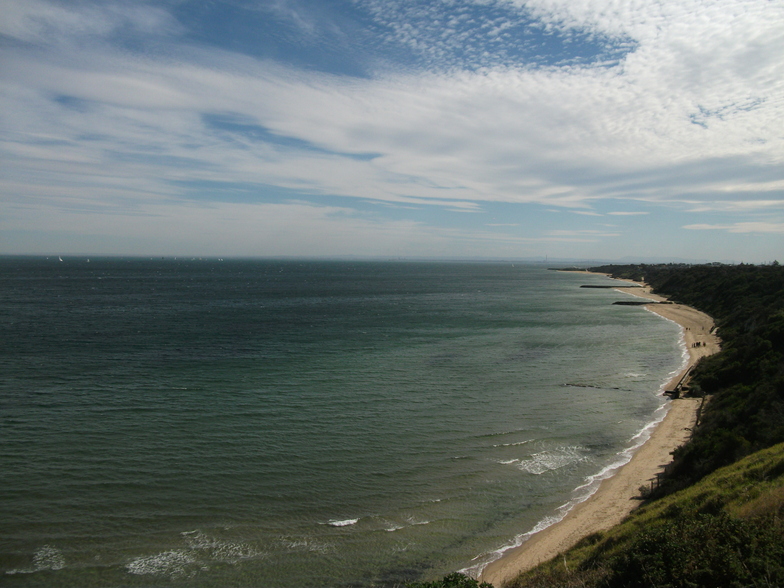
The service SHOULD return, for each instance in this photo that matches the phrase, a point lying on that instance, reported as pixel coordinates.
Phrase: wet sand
(619, 495)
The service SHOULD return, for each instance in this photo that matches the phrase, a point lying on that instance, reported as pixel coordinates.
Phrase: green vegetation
(718, 517)
(726, 530)
(745, 380)
(455, 580)
(715, 521)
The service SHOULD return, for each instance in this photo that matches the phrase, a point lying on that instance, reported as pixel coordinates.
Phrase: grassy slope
(726, 530)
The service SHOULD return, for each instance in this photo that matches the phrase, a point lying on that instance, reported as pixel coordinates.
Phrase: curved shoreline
(618, 495)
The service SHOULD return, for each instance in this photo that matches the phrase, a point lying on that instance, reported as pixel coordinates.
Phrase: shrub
(454, 580)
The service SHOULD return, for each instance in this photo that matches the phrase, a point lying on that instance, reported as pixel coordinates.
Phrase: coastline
(618, 495)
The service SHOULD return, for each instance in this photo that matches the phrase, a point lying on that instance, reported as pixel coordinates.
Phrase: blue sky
(583, 129)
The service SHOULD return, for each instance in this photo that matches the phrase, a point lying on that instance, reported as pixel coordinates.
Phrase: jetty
(680, 387)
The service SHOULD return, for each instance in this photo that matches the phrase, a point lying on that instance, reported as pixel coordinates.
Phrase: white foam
(681, 344)
(307, 545)
(48, 558)
(548, 521)
(200, 551)
(591, 484)
(410, 521)
(513, 444)
(546, 461)
(45, 558)
(344, 523)
(219, 550)
(175, 563)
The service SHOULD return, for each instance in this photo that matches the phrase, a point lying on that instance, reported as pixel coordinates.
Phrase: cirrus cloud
(656, 109)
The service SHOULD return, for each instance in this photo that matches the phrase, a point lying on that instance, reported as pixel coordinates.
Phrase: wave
(343, 523)
(307, 544)
(410, 522)
(591, 483)
(681, 344)
(513, 444)
(176, 564)
(500, 433)
(218, 549)
(45, 558)
(200, 552)
(547, 461)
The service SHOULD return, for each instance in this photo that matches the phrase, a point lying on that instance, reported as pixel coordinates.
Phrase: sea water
(199, 422)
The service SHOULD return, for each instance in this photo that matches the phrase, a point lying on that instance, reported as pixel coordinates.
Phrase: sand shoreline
(618, 495)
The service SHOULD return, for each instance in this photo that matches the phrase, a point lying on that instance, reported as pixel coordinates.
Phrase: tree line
(745, 380)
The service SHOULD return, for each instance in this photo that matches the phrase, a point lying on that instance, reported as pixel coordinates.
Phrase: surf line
(615, 496)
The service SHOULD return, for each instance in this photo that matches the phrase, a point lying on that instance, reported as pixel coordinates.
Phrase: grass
(726, 530)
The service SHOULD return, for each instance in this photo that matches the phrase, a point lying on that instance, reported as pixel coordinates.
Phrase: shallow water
(181, 422)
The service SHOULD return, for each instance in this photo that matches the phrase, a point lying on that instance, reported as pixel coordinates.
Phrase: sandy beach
(619, 495)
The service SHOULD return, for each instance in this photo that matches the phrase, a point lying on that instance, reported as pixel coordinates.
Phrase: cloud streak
(758, 227)
(686, 118)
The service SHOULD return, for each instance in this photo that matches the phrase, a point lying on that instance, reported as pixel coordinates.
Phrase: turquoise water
(290, 424)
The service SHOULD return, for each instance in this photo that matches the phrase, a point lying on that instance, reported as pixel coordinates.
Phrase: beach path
(619, 495)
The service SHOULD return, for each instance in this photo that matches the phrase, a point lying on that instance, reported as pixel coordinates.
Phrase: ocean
(290, 424)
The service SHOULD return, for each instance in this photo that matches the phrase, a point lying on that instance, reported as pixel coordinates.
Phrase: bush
(455, 580)
(706, 550)
(746, 379)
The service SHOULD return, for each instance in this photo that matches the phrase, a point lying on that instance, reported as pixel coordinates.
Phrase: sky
(512, 129)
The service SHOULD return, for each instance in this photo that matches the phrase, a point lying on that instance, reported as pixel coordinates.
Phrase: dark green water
(291, 424)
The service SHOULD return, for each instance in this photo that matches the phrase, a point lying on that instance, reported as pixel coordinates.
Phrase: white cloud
(627, 213)
(292, 228)
(506, 135)
(38, 21)
(744, 227)
(238, 229)
(736, 206)
(509, 136)
(691, 115)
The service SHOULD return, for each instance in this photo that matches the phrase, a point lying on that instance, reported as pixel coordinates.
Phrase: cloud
(38, 21)
(686, 114)
(580, 235)
(297, 228)
(736, 206)
(291, 12)
(444, 35)
(744, 227)
(290, 228)
(506, 134)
